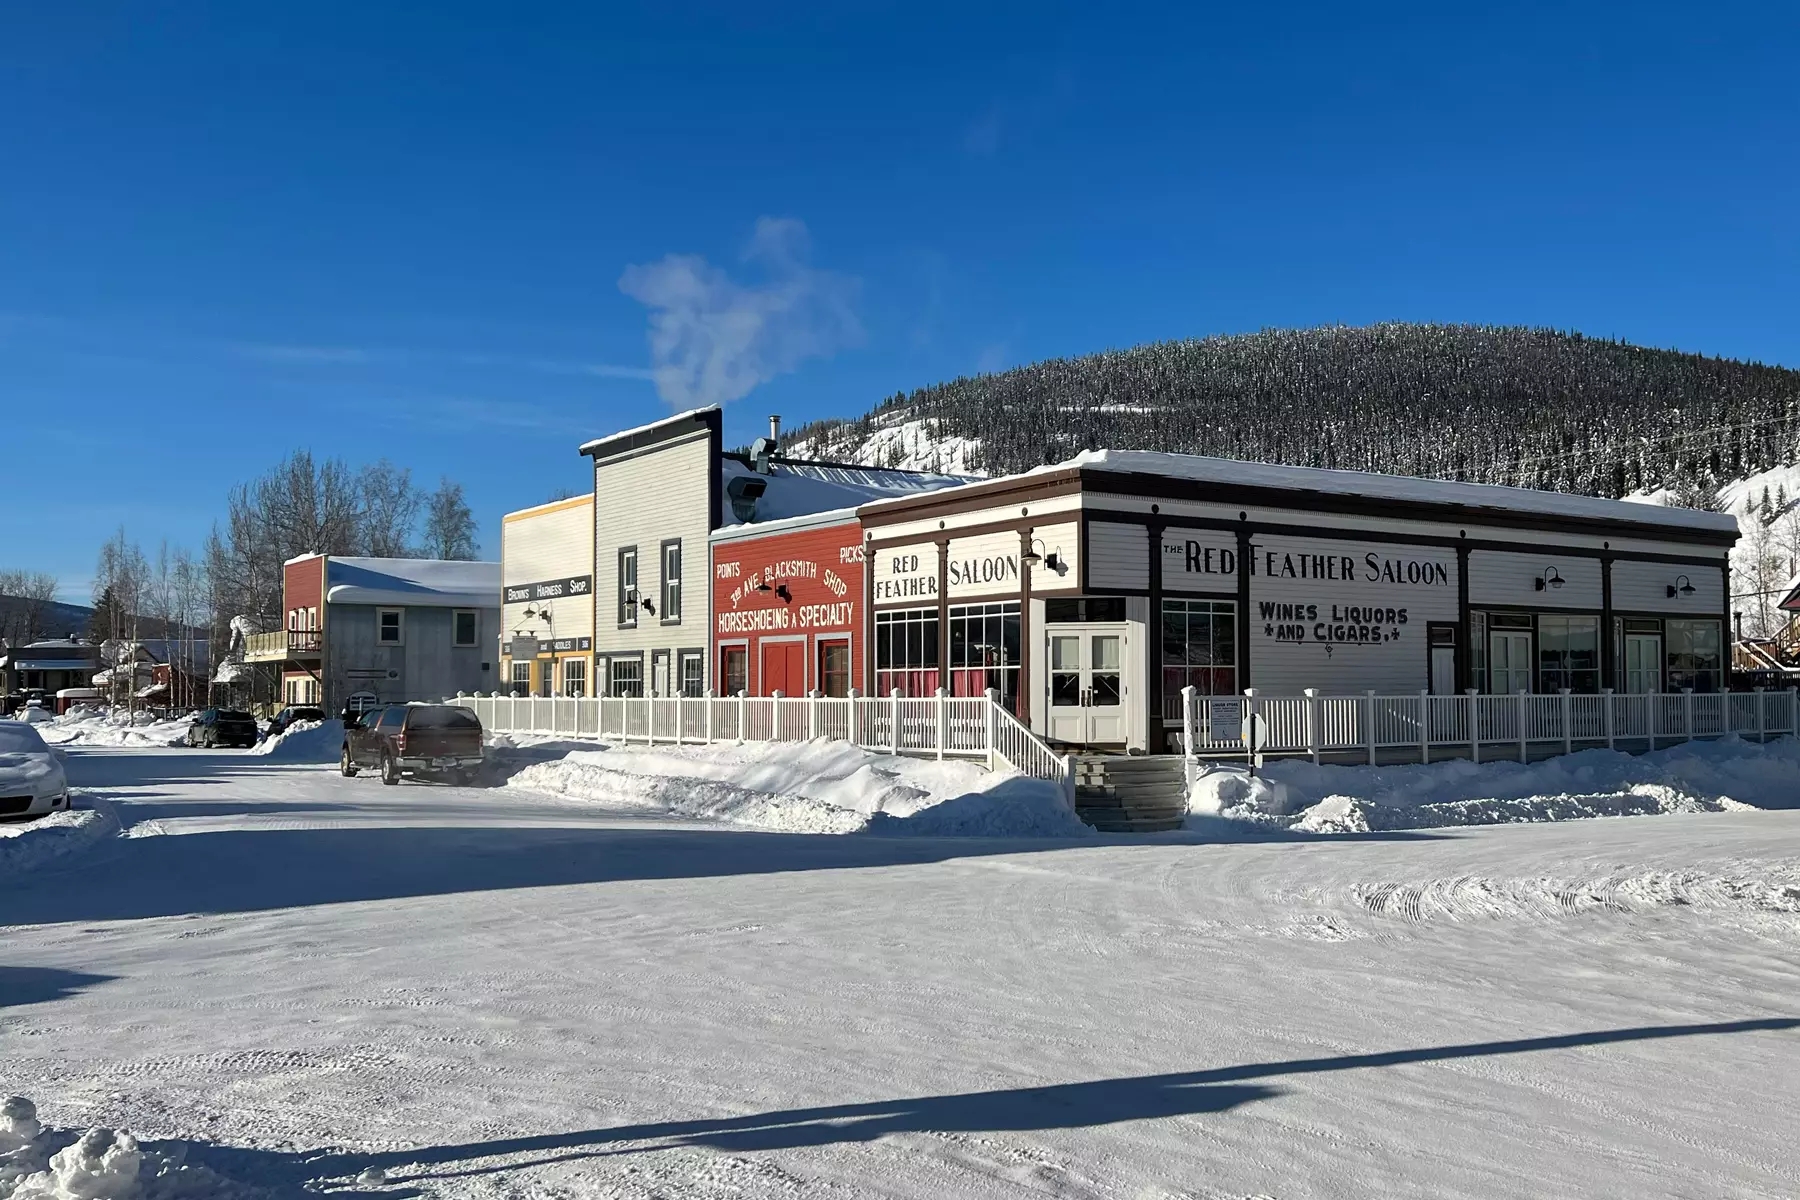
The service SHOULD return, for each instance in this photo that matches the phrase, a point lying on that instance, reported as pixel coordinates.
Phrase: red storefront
(787, 599)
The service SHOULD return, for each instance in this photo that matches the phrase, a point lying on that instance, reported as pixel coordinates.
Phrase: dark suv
(221, 727)
(293, 715)
(414, 739)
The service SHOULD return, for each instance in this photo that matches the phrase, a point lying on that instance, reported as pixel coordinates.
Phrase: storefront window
(1199, 639)
(1694, 655)
(574, 677)
(906, 652)
(521, 677)
(984, 651)
(627, 676)
(1568, 654)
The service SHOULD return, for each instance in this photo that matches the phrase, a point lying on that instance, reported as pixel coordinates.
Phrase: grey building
(49, 665)
(367, 631)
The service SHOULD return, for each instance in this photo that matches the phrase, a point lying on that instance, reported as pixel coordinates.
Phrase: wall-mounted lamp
(649, 606)
(1038, 553)
(781, 589)
(1681, 586)
(1551, 578)
(762, 585)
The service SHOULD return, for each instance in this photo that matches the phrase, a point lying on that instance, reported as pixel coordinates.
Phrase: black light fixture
(1551, 578)
(1033, 556)
(1682, 586)
(530, 613)
(649, 605)
(762, 585)
(781, 589)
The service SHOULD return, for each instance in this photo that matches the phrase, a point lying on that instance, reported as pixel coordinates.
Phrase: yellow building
(547, 586)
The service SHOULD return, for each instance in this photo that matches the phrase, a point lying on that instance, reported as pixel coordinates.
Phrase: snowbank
(304, 742)
(27, 845)
(802, 787)
(101, 1164)
(1712, 776)
(82, 726)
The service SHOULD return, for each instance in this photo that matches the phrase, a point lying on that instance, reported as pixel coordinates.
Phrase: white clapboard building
(1088, 594)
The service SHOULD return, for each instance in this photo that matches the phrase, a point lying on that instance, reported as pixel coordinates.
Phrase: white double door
(1643, 663)
(1087, 684)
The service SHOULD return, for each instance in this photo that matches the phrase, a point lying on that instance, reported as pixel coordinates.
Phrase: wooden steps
(1136, 794)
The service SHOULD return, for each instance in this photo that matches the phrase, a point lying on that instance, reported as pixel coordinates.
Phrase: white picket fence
(938, 726)
(1489, 726)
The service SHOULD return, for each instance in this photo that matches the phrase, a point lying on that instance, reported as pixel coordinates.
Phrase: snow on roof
(1200, 468)
(800, 489)
(1392, 487)
(419, 582)
(818, 520)
(689, 415)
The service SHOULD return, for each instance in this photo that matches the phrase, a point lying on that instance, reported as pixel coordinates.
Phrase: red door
(783, 668)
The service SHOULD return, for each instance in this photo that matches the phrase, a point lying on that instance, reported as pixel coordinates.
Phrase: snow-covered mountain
(1525, 407)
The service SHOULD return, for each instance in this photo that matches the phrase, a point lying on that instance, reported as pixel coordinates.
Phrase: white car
(32, 782)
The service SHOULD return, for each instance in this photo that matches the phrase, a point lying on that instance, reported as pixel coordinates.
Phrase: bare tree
(121, 588)
(449, 525)
(389, 509)
(25, 596)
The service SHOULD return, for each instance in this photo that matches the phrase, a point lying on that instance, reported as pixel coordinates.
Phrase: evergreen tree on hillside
(1526, 407)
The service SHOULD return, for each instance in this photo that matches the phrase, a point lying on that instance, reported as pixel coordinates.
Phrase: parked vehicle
(32, 782)
(414, 739)
(282, 721)
(212, 727)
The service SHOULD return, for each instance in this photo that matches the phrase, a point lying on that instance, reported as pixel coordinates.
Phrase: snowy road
(486, 993)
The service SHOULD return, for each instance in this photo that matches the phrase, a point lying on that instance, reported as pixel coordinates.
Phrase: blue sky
(468, 238)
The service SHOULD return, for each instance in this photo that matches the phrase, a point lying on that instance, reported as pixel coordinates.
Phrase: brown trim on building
(1153, 684)
(943, 613)
(1244, 563)
(1024, 700)
(971, 497)
(1006, 526)
(1255, 496)
(1382, 535)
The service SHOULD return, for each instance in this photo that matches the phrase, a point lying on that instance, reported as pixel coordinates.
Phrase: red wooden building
(787, 599)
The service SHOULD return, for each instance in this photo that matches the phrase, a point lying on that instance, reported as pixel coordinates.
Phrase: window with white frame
(906, 651)
(1199, 650)
(734, 669)
(693, 673)
(671, 582)
(390, 626)
(463, 627)
(521, 676)
(574, 676)
(628, 585)
(627, 676)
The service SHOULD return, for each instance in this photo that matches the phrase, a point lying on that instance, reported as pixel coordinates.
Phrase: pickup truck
(414, 739)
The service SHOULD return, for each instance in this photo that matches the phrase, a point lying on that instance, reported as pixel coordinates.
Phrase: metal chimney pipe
(774, 430)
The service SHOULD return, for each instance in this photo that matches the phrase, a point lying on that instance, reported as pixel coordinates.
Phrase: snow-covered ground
(82, 726)
(320, 982)
(1706, 776)
(798, 787)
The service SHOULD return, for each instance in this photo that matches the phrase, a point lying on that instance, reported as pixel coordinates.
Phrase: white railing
(1484, 726)
(937, 726)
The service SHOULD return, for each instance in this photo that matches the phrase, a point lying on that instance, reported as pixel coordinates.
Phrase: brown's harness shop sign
(549, 589)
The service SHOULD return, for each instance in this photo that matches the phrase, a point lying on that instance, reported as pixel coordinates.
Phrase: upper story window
(390, 626)
(671, 582)
(628, 585)
(463, 627)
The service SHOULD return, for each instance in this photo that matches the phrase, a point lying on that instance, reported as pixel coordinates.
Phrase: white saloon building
(1087, 595)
